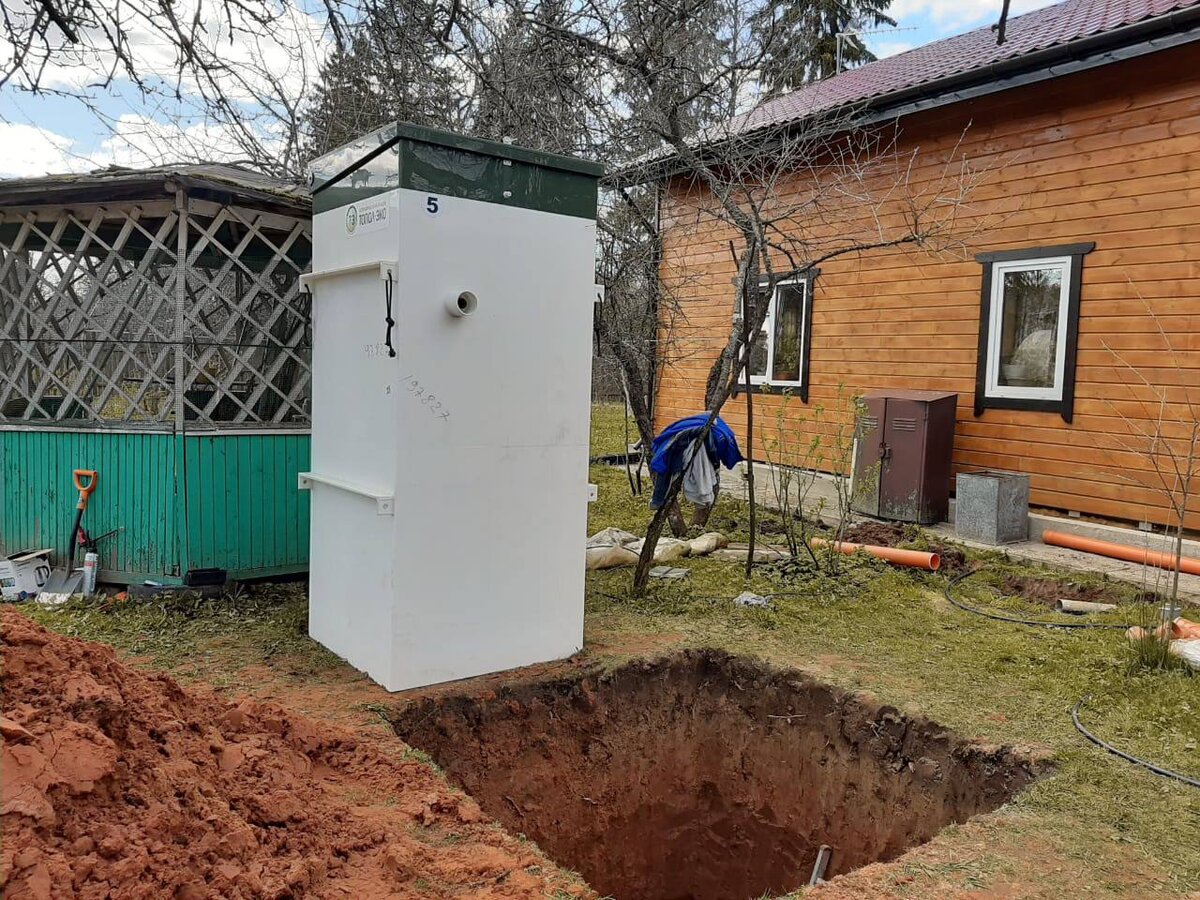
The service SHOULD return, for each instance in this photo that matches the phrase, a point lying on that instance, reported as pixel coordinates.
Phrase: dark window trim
(1035, 252)
(1066, 406)
(809, 277)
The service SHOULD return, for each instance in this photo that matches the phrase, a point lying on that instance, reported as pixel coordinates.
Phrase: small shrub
(1151, 653)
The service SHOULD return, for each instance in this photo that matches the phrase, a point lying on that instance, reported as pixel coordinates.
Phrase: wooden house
(1071, 325)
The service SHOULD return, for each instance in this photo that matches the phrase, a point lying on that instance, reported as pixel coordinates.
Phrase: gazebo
(153, 328)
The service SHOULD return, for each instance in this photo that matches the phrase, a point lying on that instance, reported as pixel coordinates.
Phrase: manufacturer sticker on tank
(368, 215)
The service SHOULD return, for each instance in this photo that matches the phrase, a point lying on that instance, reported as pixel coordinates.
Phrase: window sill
(796, 390)
(1024, 405)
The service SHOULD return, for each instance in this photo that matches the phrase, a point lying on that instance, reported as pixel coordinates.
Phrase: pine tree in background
(393, 69)
(347, 102)
(805, 45)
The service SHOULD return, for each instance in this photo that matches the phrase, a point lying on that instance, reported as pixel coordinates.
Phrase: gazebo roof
(216, 181)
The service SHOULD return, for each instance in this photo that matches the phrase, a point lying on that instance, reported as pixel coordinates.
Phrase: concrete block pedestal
(992, 507)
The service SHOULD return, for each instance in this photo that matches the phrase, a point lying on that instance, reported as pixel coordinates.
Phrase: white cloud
(250, 60)
(27, 151)
(261, 73)
(138, 140)
(949, 16)
(135, 141)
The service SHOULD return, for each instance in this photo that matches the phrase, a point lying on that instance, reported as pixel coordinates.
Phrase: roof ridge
(1058, 24)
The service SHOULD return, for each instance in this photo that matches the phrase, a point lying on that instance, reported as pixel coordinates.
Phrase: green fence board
(243, 506)
(225, 501)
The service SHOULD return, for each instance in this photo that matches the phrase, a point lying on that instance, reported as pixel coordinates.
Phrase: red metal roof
(1038, 30)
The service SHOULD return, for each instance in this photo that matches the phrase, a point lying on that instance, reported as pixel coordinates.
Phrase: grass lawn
(608, 429)
(1097, 827)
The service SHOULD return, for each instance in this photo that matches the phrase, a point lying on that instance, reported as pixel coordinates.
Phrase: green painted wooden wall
(243, 506)
(210, 500)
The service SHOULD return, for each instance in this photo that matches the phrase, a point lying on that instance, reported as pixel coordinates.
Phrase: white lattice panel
(154, 313)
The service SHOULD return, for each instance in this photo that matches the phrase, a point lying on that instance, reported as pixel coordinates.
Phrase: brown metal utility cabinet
(907, 437)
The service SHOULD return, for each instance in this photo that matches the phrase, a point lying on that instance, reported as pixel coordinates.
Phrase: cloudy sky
(49, 134)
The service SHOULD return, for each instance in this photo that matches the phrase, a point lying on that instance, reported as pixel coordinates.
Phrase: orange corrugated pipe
(1121, 551)
(913, 559)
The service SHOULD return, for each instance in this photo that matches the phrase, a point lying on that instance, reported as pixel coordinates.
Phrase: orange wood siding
(1110, 156)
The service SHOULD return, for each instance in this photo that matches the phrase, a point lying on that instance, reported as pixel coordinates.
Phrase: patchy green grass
(193, 637)
(609, 429)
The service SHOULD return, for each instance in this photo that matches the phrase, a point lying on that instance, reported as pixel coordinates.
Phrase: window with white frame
(780, 353)
(1028, 329)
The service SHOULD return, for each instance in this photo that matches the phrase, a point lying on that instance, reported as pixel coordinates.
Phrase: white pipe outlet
(462, 305)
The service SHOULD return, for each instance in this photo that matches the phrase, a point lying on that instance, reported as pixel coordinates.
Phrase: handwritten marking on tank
(428, 400)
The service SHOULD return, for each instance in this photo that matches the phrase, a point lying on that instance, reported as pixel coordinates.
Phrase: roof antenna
(849, 34)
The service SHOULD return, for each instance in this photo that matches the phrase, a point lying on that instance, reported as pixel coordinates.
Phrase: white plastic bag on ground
(609, 557)
(668, 549)
(611, 537)
(1188, 651)
(749, 598)
(707, 543)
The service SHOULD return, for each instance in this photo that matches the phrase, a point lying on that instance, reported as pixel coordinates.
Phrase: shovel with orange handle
(66, 581)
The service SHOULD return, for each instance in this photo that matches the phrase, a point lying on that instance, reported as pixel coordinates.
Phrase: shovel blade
(60, 586)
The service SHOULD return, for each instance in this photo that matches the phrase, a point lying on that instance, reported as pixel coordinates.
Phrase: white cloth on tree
(700, 479)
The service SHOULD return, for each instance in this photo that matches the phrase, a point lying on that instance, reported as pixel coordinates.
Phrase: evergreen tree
(801, 36)
(393, 68)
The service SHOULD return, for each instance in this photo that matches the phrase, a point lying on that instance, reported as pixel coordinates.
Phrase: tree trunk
(722, 369)
(716, 393)
(641, 575)
(635, 389)
(750, 456)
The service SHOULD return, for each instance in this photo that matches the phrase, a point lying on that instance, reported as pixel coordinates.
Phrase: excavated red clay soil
(707, 776)
(121, 784)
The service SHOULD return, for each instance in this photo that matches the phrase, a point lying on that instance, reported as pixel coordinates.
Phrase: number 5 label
(431, 205)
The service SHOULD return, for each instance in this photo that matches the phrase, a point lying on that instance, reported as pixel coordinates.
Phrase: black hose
(945, 591)
(1013, 619)
(1128, 757)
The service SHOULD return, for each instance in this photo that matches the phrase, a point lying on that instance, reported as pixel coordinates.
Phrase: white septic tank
(449, 447)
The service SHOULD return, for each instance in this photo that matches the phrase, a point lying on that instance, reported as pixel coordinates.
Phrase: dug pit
(704, 776)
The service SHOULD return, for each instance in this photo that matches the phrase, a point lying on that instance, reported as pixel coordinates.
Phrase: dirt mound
(1048, 591)
(891, 534)
(118, 783)
(881, 534)
(703, 776)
